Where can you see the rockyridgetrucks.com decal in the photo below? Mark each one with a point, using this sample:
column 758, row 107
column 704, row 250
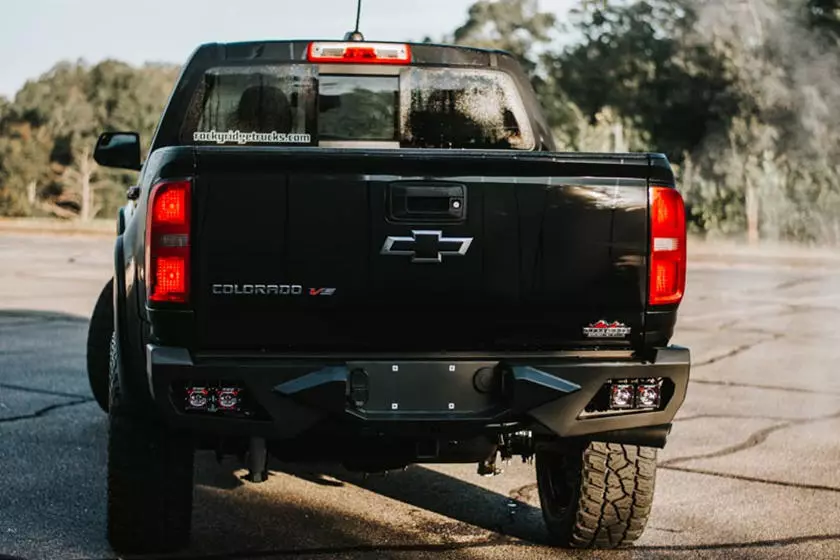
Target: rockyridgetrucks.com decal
column 241, row 138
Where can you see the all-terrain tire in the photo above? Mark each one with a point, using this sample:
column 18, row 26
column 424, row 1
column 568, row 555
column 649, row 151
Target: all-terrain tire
column 150, row 479
column 599, row 497
column 100, row 329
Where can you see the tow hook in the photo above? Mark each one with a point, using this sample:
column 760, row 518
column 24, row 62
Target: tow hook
column 518, row 443
column 488, row 467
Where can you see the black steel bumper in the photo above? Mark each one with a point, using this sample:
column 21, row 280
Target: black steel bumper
column 291, row 396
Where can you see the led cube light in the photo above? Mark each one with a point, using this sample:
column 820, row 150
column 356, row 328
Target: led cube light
column 228, row 398
column 197, row 398
column 621, row 396
column 648, row 395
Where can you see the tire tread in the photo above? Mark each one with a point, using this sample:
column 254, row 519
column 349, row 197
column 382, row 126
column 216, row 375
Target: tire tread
column 150, row 480
column 612, row 502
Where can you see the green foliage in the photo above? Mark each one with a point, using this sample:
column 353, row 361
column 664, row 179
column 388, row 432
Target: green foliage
column 24, row 165
column 744, row 98
column 635, row 60
column 825, row 15
column 515, row 26
column 48, row 131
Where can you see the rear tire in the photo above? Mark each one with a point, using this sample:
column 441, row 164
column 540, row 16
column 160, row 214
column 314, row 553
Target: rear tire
column 599, row 497
column 150, row 479
column 100, row 329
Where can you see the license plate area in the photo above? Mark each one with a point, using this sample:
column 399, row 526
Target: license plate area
column 424, row 387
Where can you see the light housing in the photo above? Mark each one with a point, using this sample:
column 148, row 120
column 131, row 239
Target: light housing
column 629, row 396
column 168, row 242
column 219, row 398
column 355, row 52
column 667, row 246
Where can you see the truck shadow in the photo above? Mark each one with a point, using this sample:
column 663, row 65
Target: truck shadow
column 470, row 507
column 254, row 525
column 448, row 496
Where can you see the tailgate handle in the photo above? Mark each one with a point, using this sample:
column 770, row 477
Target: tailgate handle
column 427, row 201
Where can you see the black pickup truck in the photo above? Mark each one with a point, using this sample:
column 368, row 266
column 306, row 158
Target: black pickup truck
column 371, row 253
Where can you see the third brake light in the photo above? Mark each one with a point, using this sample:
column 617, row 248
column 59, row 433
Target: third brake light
column 354, row 52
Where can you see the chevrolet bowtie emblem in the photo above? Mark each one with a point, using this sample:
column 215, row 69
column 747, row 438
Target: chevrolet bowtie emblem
column 426, row 246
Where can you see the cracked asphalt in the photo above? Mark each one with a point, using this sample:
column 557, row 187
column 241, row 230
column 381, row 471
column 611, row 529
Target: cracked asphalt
column 751, row 469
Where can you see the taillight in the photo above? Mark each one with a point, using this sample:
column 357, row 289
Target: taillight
column 358, row 53
column 667, row 246
column 168, row 243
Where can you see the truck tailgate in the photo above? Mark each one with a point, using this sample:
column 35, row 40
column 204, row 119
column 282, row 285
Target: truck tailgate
column 395, row 250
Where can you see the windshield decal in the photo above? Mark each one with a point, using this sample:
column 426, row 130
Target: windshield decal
column 238, row 137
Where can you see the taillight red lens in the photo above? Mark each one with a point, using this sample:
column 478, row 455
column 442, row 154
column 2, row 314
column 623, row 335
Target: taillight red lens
column 170, row 277
column 170, row 207
column 168, row 243
column 667, row 246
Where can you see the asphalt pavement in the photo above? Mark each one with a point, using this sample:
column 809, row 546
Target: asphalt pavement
column 751, row 470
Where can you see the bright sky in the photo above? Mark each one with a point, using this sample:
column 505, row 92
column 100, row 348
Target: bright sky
column 35, row 34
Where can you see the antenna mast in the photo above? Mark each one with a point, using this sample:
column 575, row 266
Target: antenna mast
column 356, row 35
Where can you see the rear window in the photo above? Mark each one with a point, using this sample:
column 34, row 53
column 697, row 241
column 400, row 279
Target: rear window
column 358, row 108
column 419, row 108
column 462, row 108
column 253, row 105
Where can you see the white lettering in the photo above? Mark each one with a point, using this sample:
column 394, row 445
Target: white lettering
column 262, row 289
column 242, row 138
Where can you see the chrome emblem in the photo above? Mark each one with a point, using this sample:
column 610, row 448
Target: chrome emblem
column 426, row 246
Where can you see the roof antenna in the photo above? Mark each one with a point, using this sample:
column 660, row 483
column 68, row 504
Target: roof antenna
column 356, row 35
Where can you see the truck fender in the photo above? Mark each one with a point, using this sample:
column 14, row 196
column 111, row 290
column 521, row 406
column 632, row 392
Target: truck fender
column 121, row 221
column 133, row 388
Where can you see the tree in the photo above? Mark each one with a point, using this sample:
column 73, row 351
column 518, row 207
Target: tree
column 516, row 26
column 47, row 135
column 24, row 168
column 635, row 59
column 825, row 15
column 787, row 123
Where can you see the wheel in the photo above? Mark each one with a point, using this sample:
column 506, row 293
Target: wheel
column 150, row 478
column 599, row 497
column 100, row 329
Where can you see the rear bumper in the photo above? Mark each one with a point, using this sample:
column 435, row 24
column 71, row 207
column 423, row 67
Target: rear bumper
column 289, row 397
